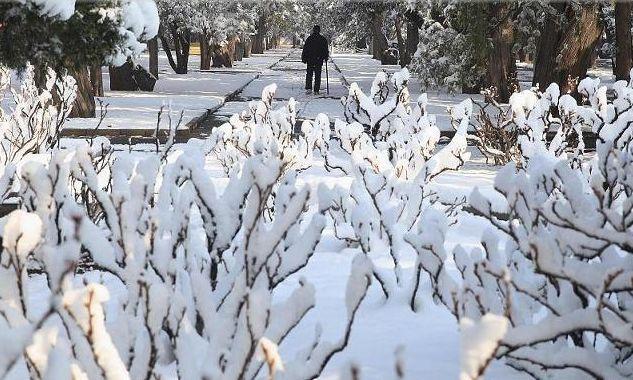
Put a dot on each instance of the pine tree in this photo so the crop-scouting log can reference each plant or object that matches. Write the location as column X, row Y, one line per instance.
column 88, row 34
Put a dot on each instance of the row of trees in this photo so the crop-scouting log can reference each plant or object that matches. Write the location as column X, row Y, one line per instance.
column 226, row 30
column 79, row 39
column 469, row 46
column 466, row 46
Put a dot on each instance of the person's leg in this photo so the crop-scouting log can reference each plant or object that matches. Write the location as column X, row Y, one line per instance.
column 309, row 73
column 317, row 78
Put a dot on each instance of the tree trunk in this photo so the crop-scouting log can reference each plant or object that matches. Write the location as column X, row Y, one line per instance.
column 501, row 67
column 205, row 53
column 248, row 45
column 96, row 80
column 182, row 43
column 378, row 39
column 84, row 105
column 121, row 78
column 260, row 37
column 223, row 54
column 565, row 51
column 402, row 48
column 414, row 21
column 623, row 59
column 152, row 47
column 239, row 49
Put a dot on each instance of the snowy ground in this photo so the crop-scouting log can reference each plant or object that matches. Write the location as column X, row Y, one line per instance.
column 430, row 337
column 194, row 93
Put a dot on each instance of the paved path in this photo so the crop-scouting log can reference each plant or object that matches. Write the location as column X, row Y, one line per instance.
column 344, row 69
column 194, row 94
column 289, row 75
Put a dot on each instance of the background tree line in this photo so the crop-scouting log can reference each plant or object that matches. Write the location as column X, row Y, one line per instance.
column 459, row 46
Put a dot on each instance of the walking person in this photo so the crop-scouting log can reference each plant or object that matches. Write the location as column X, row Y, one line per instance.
column 315, row 51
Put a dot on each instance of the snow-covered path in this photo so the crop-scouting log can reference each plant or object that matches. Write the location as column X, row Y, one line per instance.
column 289, row 76
column 194, row 94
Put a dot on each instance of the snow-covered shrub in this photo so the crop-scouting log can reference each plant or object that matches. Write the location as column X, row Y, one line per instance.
column 34, row 120
column 560, row 269
column 538, row 122
column 495, row 133
column 183, row 272
column 536, row 114
column 389, row 195
column 262, row 130
column 388, row 99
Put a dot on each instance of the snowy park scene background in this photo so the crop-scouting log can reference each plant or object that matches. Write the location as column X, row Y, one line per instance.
column 453, row 201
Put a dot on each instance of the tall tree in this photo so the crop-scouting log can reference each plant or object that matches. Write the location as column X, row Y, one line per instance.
column 152, row 48
column 259, row 43
column 623, row 59
column 501, row 65
column 567, row 44
column 73, row 37
column 414, row 23
column 378, row 39
column 176, row 23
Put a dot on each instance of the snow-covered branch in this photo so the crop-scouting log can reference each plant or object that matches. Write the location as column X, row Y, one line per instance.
column 36, row 116
column 389, row 196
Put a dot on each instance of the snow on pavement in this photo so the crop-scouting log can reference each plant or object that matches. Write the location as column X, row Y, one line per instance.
column 194, row 93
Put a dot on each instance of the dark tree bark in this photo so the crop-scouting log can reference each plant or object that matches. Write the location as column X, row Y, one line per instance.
column 566, row 50
column 205, row 53
column 259, row 44
column 182, row 43
column 152, row 48
column 501, row 67
column 223, row 54
column 84, row 105
column 378, row 38
column 623, row 59
column 402, row 48
column 96, row 80
column 248, row 45
column 414, row 22
column 121, row 78
column 131, row 77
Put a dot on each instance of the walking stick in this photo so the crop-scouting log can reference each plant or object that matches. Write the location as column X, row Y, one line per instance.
column 327, row 79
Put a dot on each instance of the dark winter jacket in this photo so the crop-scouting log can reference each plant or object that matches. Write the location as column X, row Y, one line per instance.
column 315, row 50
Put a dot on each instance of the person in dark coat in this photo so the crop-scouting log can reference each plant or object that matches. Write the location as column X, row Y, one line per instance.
column 315, row 51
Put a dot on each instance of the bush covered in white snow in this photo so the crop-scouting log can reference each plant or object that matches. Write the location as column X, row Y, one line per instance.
column 33, row 117
column 559, row 270
column 389, row 149
column 182, row 272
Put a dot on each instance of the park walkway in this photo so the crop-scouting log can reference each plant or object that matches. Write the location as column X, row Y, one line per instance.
column 194, row 94
column 208, row 98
